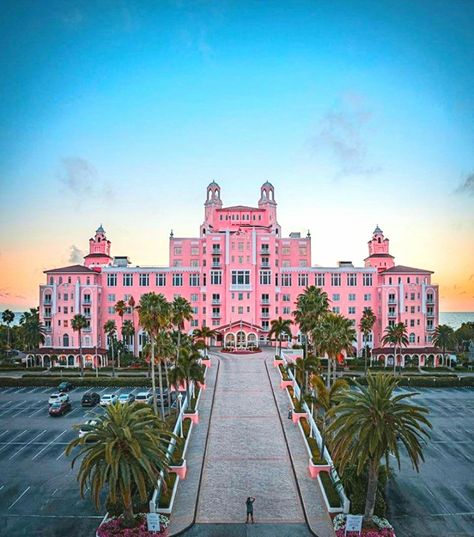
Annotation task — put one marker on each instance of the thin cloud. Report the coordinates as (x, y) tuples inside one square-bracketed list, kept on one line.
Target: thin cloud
[(75, 254), (467, 186), (341, 132), (79, 178)]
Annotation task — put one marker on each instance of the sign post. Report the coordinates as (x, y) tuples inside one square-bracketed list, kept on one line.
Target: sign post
[(354, 523), (153, 521)]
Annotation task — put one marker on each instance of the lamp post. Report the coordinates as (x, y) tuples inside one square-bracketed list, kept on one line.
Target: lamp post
[(180, 417)]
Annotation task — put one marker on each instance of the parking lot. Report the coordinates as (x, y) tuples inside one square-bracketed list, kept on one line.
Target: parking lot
[(39, 494), (440, 499)]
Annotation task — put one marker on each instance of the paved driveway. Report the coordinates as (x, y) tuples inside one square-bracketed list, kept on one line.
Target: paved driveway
[(440, 499)]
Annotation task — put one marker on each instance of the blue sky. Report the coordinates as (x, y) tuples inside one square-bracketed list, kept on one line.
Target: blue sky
[(120, 112)]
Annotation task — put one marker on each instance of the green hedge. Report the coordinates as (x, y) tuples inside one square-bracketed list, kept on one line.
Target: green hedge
[(428, 382), (330, 490), (12, 382), (20, 368), (166, 492)]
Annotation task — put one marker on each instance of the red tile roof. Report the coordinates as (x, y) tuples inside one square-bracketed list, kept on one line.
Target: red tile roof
[(74, 269), (97, 255), (402, 269)]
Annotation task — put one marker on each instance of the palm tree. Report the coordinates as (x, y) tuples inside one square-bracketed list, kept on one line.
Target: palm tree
[(279, 328), (128, 331), (366, 326), (8, 317), (370, 423), (124, 453), (32, 330), (120, 309), (181, 311), (154, 315), (325, 400), (311, 305), (110, 328), (78, 323), (303, 368), (131, 305), (187, 369), (204, 334), (444, 339), (336, 334), (395, 335)]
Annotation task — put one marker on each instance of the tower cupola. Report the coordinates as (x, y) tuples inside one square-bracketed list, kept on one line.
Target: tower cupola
[(379, 251), (99, 249), (267, 194)]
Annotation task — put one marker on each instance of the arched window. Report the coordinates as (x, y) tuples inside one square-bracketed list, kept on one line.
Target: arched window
[(66, 340), (60, 279), (379, 240), (412, 338)]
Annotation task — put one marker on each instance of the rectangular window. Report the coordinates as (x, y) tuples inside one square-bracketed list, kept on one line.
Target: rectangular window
[(302, 263), (352, 279), (66, 323), (336, 297), (335, 279), (351, 310), (195, 310), (177, 263), (87, 298), (285, 298), (194, 323), (285, 250), (265, 277), (391, 298), (302, 250), (412, 322), (177, 280), (240, 310), (111, 310), (336, 309), (161, 279), (352, 297), (194, 280), (111, 280), (216, 277), (367, 280), (144, 280), (195, 250), (302, 280), (66, 297), (194, 262), (240, 277), (286, 280), (194, 298), (285, 263), (319, 280), (127, 280), (111, 298), (286, 310), (178, 250), (65, 309), (367, 297), (412, 296)]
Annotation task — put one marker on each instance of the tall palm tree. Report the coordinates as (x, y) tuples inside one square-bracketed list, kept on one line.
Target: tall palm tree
[(110, 328), (128, 331), (395, 335), (120, 309), (336, 334), (444, 339), (280, 327), (366, 326), (187, 369), (78, 323), (32, 330), (8, 317), (154, 315), (370, 423), (181, 311), (124, 453), (205, 334), (325, 399), (311, 305), (303, 368), (132, 306)]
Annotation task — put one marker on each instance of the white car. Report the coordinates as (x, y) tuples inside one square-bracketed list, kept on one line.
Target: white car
[(144, 397), (108, 399), (58, 398), (86, 427), (126, 398)]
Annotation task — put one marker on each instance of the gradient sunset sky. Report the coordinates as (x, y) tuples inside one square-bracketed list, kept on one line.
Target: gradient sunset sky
[(121, 112)]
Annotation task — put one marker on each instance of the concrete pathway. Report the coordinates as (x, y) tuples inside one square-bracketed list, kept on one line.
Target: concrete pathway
[(247, 455)]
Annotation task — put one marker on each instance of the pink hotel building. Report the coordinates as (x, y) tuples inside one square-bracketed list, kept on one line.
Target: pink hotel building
[(238, 275)]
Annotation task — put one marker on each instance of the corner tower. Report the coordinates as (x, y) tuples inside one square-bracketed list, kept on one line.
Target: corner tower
[(267, 202), (99, 250), (379, 252)]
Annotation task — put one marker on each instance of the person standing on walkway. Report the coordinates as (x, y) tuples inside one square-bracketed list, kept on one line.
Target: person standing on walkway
[(249, 504)]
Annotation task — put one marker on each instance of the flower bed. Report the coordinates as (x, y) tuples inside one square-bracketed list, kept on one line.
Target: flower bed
[(380, 527), (241, 351), (114, 528)]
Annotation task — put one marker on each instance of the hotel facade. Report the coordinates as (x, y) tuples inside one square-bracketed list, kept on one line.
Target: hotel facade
[(238, 275)]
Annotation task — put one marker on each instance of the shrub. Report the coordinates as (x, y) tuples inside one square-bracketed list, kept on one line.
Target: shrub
[(283, 372), (330, 490), (19, 382), (305, 426), (167, 491)]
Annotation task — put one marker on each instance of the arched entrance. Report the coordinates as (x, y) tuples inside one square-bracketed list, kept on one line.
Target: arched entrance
[(229, 340), (252, 340), (241, 340)]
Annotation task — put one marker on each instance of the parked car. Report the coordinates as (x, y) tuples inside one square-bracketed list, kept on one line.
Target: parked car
[(87, 427), (59, 408), (126, 398), (108, 399), (90, 399), (65, 386), (58, 398), (144, 397)]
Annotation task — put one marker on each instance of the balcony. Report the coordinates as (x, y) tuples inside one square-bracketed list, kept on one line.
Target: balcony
[(265, 315), (216, 301), (87, 301), (240, 287), (430, 313), (216, 265), (216, 315), (265, 301), (265, 265), (47, 302), (87, 315), (430, 328), (392, 301), (47, 315), (430, 301), (264, 251), (392, 313), (216, 251)]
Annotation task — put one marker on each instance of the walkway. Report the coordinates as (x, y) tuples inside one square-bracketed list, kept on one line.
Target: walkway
[(247, 455)]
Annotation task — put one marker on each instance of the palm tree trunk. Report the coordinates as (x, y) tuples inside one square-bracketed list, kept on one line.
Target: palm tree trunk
[(135, 338), (128, 516), (153, 382), (328, 380), (167, 385), (371, 490), (81, 363), (160, 381), (279, 347), (394, 359), (113, 356)]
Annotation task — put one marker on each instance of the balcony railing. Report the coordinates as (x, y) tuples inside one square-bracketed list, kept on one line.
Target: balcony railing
[(87, 301), (392, 314), (430, 301), (265, 315), (216, 315), (265, 265), (264, 251), (216, 265), (48, 302), (47, 315), (216, 301), (430, 328), (265, 301), (216, 251), (392, 301)]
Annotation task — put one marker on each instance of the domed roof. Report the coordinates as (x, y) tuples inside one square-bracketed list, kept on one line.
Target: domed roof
[(377, 230), (267, 183), (213, 183), (100, 229)]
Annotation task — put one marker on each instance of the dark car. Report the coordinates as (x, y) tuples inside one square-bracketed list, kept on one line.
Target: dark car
[(58, 409), (65, 386), (90, 399)]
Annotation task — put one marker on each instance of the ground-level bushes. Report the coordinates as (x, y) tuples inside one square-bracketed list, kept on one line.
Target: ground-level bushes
[(427, 382), (89, 382)]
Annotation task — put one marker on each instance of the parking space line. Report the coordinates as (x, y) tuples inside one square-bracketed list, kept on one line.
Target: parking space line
[(4, 432), (14, 438), (45, 447), (37, 411), (20, 497), (2, 487), (25, 445)]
